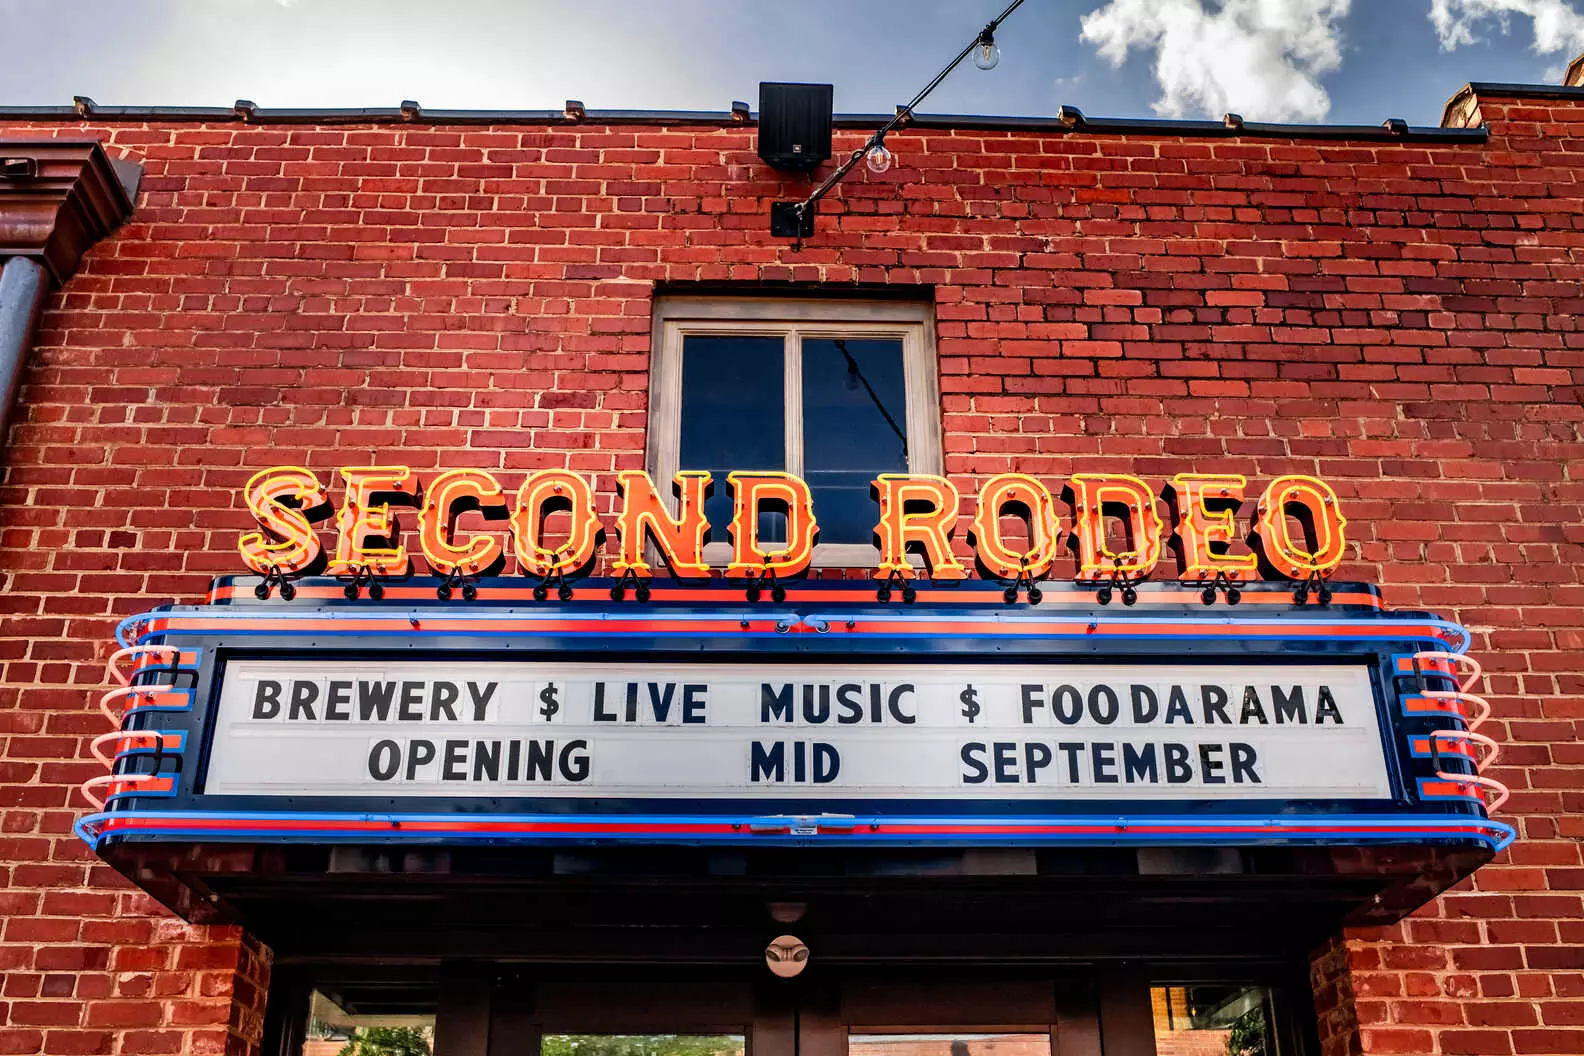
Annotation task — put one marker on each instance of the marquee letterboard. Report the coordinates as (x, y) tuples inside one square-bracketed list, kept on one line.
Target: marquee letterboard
[(1029, 732), (699, 717)]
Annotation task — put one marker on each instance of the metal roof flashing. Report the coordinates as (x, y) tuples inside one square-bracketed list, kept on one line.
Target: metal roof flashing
[(1071, 120)]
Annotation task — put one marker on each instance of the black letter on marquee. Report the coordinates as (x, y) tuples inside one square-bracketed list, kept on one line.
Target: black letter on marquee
[(1326, 705), (1102, 761), (1031, 701), (445, 695), (574, 761), (411, 707), (849, 697), (1104, 713), (1214, 699), (455, 766), (776, 705), (660, 702), (769, 764), (1178, 772), (1210, 769), (541, 757), (481, 700), (1289, 708), (693, 703), (1138, 764), (1064, 695), (339, 695), (1006, 763), (978, 771), (303, 694), (1036, 757), (1177, 707), (1252, 707), (266, 702), (419, 753), (486, 760), (827, 764), (374, 698), (1071, 749), (384, 760), (1243, 763), (600, 714), (894, 704), (1145, 705)]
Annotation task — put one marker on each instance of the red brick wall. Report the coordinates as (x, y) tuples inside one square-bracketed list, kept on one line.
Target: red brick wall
[(1398, 317)]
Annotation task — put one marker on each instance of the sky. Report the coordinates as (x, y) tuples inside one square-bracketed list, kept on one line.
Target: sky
[(1333, 61)]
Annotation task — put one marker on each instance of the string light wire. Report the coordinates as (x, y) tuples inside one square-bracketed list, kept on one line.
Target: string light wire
[(805, 208)]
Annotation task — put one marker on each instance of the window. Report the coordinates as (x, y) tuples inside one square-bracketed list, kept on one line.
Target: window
[(388, 1030), (1213, 1020), (642, 1045), (954, 1043), (833, 391)]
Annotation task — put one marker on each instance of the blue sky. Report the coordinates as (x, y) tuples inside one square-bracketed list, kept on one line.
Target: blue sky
[(1298, 60)]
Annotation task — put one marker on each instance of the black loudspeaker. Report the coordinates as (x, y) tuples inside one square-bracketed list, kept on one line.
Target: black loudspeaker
[(794, 125)]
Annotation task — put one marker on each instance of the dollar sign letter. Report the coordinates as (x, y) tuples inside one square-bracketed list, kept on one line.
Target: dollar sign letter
[(970, 703), (548, 703)]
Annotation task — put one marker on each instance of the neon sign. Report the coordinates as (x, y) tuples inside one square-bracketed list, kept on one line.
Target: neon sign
[(1116, 528)]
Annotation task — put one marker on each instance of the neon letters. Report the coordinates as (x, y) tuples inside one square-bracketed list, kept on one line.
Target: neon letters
[(1117, 529)]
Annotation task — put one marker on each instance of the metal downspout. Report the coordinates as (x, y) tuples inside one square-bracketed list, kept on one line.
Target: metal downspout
[(23, 287)]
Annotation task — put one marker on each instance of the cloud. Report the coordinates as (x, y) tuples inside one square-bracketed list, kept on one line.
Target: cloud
[(1558, 25), (1259, 58)]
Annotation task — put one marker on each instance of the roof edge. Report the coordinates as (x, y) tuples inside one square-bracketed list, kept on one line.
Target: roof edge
[(1464, 103), (1071, 120)]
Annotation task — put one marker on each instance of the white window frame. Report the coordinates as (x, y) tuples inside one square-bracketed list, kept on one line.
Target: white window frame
[(794, 320)]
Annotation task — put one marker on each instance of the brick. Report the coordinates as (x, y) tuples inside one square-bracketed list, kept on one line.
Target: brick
[(481, 297)]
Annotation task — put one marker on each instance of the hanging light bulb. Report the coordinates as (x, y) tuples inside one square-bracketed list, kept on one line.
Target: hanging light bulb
[(986, 55), (878, 158)]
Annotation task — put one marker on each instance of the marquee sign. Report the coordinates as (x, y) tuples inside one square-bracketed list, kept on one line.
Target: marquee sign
[(698, 717)]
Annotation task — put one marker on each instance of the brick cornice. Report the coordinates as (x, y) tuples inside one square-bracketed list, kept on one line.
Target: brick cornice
[(57, 198)]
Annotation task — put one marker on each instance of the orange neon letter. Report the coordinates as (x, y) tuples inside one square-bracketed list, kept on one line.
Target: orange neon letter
[(749, 492), (285, 501), (1132, 500), (548, 491), (644, 515), (1317, 509), (1033, 502), (927, 526), (366, 518), (1205, 534), (448, 496)]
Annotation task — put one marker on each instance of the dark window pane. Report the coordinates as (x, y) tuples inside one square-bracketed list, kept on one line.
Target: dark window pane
[(854, 427), (733, 417)]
